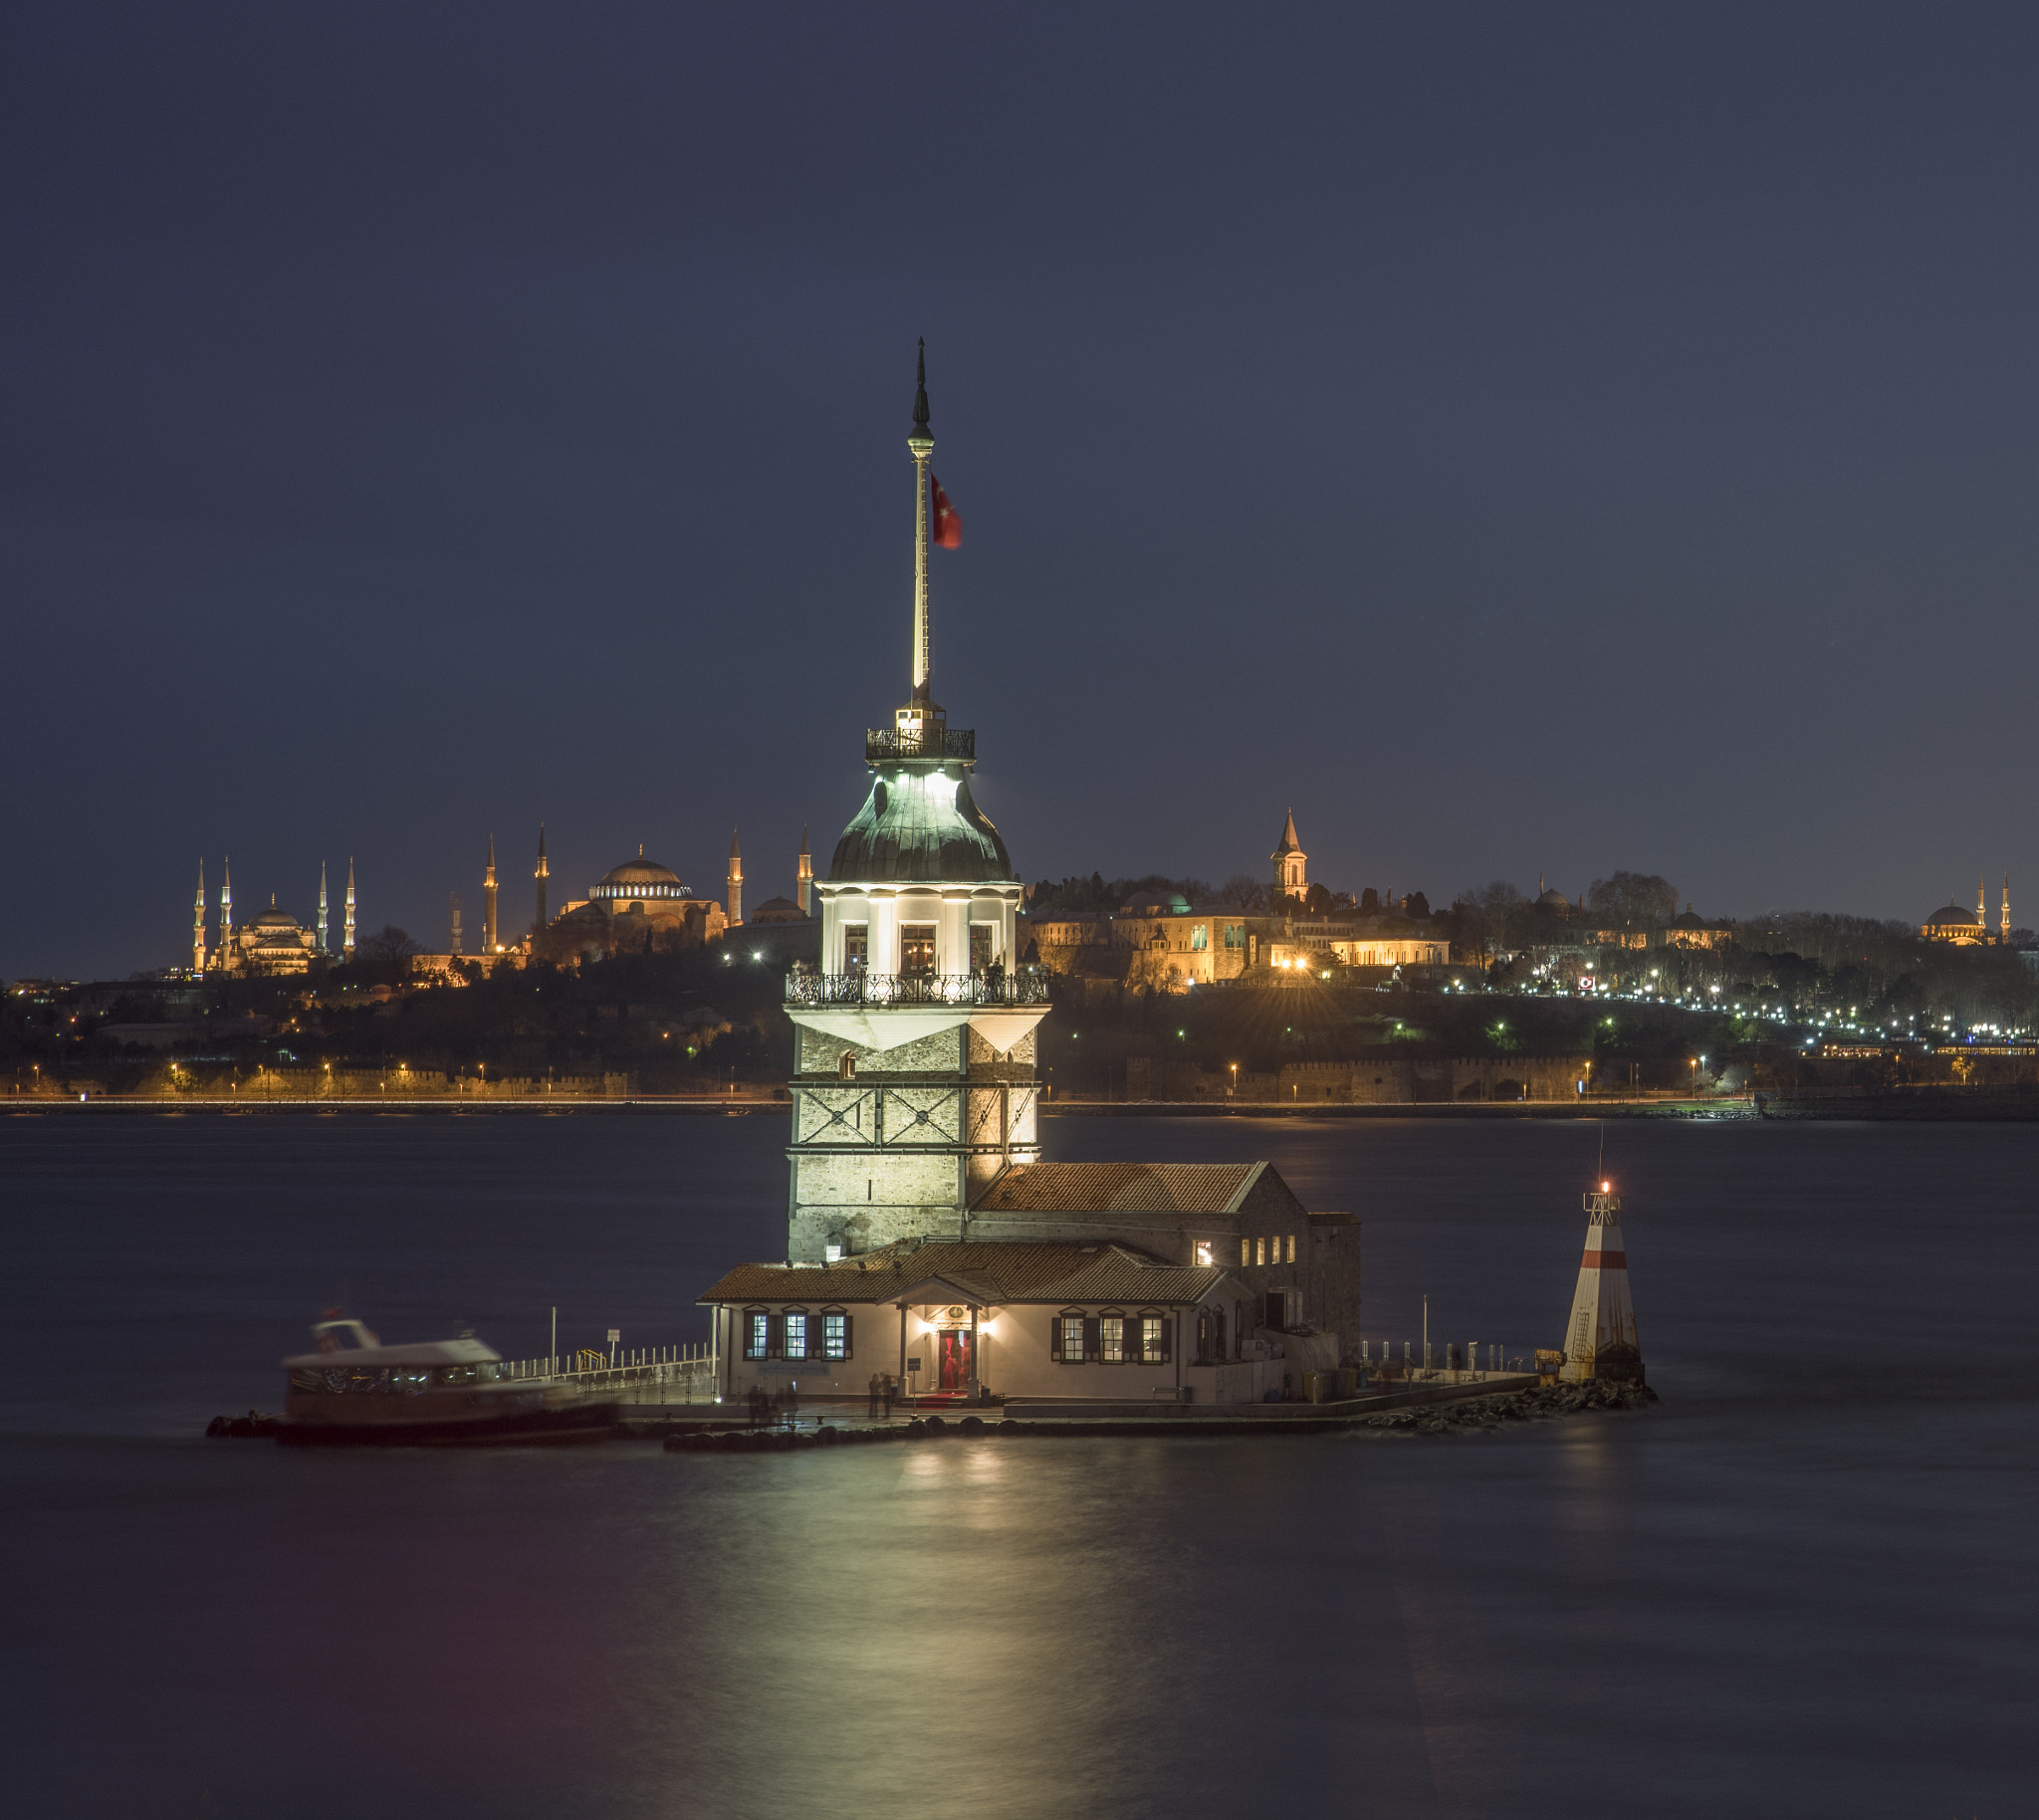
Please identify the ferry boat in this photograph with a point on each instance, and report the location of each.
(353, 1390)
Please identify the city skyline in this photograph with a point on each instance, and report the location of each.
(1509, 462)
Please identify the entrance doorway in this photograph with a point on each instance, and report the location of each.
(954, 1360)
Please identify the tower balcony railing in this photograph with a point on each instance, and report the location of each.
(882, 743)
(1029, 986)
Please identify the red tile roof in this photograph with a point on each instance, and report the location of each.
(990, 1271)
(1102, 1188)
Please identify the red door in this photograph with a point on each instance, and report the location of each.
(955, 1361)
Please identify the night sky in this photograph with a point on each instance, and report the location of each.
(1527, 440)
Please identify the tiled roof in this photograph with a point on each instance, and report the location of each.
(1102, 1188)
(990, 1271)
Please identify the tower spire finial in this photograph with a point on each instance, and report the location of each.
(922, 445)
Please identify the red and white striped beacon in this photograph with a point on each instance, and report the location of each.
(1601, 1340)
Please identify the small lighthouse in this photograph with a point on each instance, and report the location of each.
(1600, 1341)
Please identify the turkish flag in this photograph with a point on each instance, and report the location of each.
(948, 521)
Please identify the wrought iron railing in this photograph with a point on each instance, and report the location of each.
(1029, 986)
(881, 743)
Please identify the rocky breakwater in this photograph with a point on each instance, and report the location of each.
(1492, 1413)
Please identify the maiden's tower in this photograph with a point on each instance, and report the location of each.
(926, 1240)
(915, 1075)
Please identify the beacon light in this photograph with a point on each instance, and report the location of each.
(1605, 1185)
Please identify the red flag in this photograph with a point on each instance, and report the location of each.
(948, 521)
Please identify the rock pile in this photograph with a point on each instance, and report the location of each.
(1536, 1404)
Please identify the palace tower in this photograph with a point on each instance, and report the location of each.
(914, 1086)
(1289, 859)
(542, 873)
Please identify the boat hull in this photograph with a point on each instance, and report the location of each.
(520, 1428)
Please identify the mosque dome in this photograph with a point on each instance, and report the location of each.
(920, 827)
(273, 918)
(1952, 915)
(1554, 899)
(638, 878)
(1157, 903)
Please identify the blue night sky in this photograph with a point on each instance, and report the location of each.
(1524, 439)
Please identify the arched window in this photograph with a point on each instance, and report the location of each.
(847, 1067)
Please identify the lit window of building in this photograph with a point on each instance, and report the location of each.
(795, 1336)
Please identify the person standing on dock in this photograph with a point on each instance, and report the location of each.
(876, 1392)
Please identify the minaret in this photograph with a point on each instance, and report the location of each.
(1981, 910)
(1601, 1340)
(2004, 926)
(198, 925)
(914, 1086)
(346, 951)
(736, 881)
(804, 877)
(542, 873)
(453, 909)
(324, 947)
(489, 901)
(226, 913)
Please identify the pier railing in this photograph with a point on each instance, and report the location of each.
(1029, 986)
(663, 1374)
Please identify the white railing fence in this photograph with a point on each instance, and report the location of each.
(677, 1374)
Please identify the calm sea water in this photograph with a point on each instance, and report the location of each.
(1803, 1586)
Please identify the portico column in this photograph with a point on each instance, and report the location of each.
(975, 1338)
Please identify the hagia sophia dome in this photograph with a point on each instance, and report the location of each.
(637, 880)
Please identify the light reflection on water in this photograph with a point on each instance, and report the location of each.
(1803, 1586)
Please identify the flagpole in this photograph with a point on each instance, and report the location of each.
(922, 445)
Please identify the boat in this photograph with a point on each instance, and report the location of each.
(353, 1390)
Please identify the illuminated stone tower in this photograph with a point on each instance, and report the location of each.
(347, 936)
(489, 901)
(915, 1082)
(803, 878)
(735, 881)
(453, 915)
(324, 947)
(226, 912)
(542, 873)
(1288, 861)
(198, 925)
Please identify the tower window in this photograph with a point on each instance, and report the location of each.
(847, 1067)
(980, 947)
(917, 949)
(856, 946)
